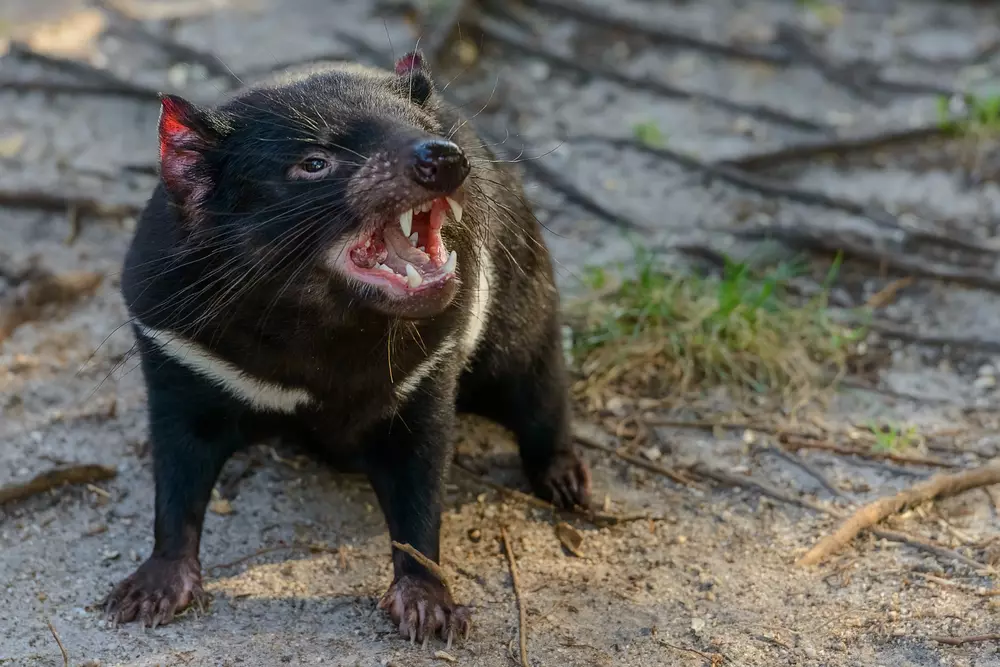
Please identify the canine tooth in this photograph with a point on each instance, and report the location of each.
(413, 278)
(422, 249)
(456, 209)
(383, 267)
(413, 239)
(406, 222)
(449, 266)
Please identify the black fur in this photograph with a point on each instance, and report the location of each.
(239, 270)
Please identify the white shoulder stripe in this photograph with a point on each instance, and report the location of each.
(479, 305)
(257, 393)
(424, 368)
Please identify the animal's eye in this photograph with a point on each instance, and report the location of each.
(313, 165)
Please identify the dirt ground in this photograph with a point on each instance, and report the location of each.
(716, 574)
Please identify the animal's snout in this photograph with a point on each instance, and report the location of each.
(439, 165)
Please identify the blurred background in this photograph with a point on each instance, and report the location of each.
(775, 224)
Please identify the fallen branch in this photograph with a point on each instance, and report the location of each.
(958, 641)
(522, 615)
(860, 78)
(796, 442)
(314, 548)
(430, 565)
(961, 342)
(73, 88)
(440, 26)
(501, 33)
(82, 69)
(828, 241)
(28, 300)
(940, 486)
(58, 203)
(134, 29)
(62, 649)
(743, 481)
(659, 34)
(769, 187)
(841, 147)
(46, 481)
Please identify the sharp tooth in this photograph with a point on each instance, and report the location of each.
(406, 222)
(413, 278)
(383, 267)
(449, 266)
(456, 209)
(413, 239)
(422, 249)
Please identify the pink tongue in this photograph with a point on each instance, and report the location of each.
(401, 252)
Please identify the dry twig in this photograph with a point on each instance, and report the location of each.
(62, 649)
(59, 203)
(132, 27)
(314, 548)
(934, 549)
(522, 614)
(959, 641)
(431, 566)
(809, 468)
(591, 442)
(28, 300)
(940, 486)
(795, 442)
(77, 474)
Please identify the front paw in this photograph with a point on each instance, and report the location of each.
(155, 592)
(564, 480)
(421, 608)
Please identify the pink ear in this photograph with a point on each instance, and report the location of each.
(414, 60)
(184, 138)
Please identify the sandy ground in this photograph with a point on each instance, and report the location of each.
(715, 576)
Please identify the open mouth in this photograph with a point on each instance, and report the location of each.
(407, 254)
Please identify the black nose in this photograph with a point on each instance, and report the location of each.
(439, 165)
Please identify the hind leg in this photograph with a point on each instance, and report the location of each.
(529, 397)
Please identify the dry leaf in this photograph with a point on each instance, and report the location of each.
(570, 538)
(11, 145)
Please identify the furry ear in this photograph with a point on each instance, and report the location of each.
(186, 134)
(414, 77)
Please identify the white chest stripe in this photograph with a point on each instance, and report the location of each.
(479, 306)
(258, 393)
(424, 368)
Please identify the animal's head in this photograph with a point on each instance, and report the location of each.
(334, 183)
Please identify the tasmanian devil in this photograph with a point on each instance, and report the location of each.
(334, 257)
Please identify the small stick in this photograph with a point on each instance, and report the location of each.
(522, 615)
(593, 443)
(175, 50)
(431, 566)
(78, 474)
(809, 468)
(315, 548)
(81, 88)
(49, 201)
(62, 649)
(961, 342)
(713, 658)
(828, 241)
(939, 486)
(725, 477)
(958, 641)
(940, 552)
(82, 69)
(795, 442)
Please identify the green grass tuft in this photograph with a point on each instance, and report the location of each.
(667, 332)
(649, 134)
(893, 437)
